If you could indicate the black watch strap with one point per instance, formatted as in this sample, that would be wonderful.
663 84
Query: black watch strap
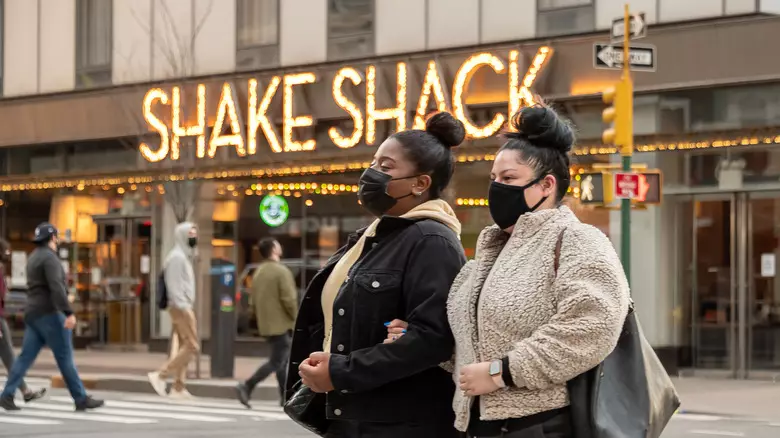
505 374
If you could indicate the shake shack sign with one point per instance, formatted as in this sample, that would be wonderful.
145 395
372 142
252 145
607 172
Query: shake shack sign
245 118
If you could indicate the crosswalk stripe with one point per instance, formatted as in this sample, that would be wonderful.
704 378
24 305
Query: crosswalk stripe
13 419
86 416
256 406
186 408
142 414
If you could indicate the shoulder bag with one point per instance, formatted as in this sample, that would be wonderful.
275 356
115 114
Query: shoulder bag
629 394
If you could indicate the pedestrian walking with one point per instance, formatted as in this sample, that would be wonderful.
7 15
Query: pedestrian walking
179 280
275 303
543 302
401 264
6 342
49 321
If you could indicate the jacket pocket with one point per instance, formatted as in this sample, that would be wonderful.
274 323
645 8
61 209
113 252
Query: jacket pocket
378 282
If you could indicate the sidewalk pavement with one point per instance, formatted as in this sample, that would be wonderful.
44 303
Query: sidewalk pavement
126 371
754 399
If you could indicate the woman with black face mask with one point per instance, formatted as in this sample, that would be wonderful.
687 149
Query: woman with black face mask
544 300
399 267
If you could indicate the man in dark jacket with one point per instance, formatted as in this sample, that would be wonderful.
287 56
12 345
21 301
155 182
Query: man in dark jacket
6 346
49 321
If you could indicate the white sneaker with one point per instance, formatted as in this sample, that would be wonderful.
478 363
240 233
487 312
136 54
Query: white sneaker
181 395
158 383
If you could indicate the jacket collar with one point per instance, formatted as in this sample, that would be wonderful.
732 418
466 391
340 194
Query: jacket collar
387 225
493 239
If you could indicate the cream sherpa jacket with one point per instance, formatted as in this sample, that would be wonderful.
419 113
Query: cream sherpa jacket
510 301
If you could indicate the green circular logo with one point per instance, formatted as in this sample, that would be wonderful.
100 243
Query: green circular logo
274 210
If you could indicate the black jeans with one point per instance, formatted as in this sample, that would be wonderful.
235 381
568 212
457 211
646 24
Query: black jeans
277 363
7 351
558 426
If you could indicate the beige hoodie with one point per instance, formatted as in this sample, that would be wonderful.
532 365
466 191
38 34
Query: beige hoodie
436 209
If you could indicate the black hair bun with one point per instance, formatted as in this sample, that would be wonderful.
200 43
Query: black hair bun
543 127
446 128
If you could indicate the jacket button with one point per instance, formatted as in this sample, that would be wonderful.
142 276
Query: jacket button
337 412
375 284
341 312
340 347
344 391
373 245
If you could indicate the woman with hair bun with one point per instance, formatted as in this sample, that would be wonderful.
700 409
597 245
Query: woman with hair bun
544 300
399 267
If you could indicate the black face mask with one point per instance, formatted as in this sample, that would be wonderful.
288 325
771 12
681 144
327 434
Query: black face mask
372 191
507 203
192 241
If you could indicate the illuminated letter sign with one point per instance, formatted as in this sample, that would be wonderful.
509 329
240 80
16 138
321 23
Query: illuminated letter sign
462 79
258 117
431 84
291 122
230 124
227 107
349 107
373 114
157 124
198 130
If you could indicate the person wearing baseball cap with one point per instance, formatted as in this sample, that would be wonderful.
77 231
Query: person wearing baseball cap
49 321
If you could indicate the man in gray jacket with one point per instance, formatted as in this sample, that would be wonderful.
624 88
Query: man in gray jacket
49 321
180 286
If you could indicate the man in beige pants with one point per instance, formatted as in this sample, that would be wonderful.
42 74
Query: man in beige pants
180 286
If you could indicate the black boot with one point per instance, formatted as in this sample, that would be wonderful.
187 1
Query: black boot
8 403
243 394
34 395
89 403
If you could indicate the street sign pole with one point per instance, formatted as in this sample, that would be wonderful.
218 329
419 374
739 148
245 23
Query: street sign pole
626 152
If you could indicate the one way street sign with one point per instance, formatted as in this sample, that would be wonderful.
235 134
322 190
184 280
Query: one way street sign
637 28
606 56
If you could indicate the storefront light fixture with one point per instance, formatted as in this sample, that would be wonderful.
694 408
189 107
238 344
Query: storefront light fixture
318 169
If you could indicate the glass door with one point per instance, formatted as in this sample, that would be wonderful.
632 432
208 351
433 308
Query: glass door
709 283
762 328
730 245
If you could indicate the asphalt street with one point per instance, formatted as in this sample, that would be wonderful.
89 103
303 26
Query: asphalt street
129 415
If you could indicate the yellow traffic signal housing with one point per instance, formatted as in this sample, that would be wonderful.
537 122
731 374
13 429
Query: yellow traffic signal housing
620 114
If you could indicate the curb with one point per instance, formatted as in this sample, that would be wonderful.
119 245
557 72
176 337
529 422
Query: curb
222 389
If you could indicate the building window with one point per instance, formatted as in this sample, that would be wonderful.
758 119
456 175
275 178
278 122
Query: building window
93 43
562 17
350 28
257 34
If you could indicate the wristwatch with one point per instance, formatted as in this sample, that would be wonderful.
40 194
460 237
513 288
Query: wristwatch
496 369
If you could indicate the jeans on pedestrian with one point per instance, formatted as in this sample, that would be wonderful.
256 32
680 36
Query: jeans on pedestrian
48 330
7 351
277 363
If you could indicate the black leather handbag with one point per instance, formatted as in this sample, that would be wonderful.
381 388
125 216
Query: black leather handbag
628 395
307 408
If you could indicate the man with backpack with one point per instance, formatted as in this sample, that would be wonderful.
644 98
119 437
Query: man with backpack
177 295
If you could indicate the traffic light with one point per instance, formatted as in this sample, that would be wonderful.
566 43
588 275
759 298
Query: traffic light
620 114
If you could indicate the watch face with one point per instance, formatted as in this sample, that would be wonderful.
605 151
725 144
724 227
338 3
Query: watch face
495 368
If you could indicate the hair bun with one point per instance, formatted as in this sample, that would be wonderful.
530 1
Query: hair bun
543 127
446 128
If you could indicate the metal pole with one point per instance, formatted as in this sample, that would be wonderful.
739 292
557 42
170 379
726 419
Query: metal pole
304 231
625 204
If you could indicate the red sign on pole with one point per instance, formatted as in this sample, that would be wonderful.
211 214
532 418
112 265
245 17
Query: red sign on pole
626 185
